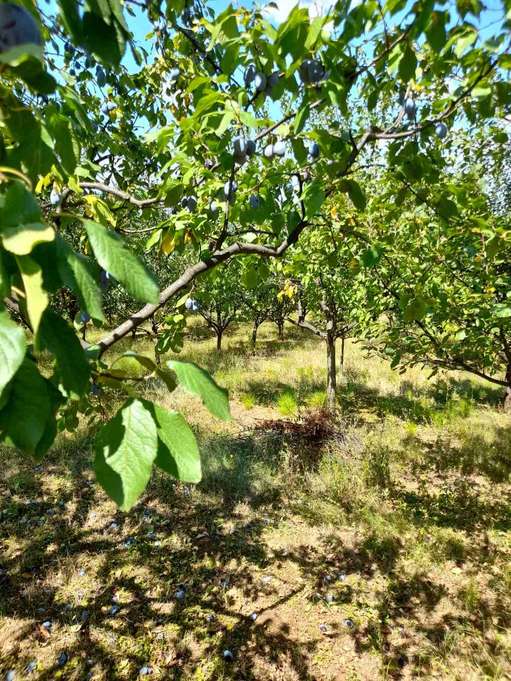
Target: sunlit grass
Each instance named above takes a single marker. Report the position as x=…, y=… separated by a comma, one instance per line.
x=404, y=508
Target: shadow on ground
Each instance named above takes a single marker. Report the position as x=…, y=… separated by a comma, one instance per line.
x=174, y=583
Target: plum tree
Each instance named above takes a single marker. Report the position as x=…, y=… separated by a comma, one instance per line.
x=122, y=178
x=329, y=294
x=439, y=290
x=217, y=298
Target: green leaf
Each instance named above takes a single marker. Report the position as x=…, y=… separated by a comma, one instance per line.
x=168, y=377
x=355, y=192
x=101, y=39
x=446, y=208
x=23, y=419
x=61, y=132
x=37, y=297
x=199, y=382
x=77, y=273
x=5, y=279
x=435, y=31
x=407, y=64
x=125, y=450
x=21, y=226
x=58, y=337
x=132, y=365
x=301, y=118
x=12, y=348
x=415, y=310
x=502, y=311
x=178, y=453
x=314, y=32
x=115, y=257
x=313, y=197
x=371, y=256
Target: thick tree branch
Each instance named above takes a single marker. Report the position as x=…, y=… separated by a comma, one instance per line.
x=306, y=325
x=191, y=273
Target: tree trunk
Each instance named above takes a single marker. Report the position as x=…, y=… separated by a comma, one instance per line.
x=507, y=396
x=254, y=335
x=219, y=333
x=342, y=351
x=280, y=328
x=331, y=376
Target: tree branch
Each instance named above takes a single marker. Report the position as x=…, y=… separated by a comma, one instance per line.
x=306, y=325
x=191, y=273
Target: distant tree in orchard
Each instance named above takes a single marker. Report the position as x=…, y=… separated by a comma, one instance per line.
x=219, y=300
x=440, y=288
x=329, y=292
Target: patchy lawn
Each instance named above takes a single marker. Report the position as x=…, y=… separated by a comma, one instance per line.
x=376, y=547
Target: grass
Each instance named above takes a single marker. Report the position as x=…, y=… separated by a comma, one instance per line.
x=374, y=548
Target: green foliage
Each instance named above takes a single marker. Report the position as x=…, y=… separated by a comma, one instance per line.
x=198, y=382
x=115, y=156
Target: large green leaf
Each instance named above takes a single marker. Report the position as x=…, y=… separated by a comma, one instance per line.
x=77, y=272
x=12, y=349
x=178, y=453
x=23, y=419
x=37, y=297
x=313, y=197
x=21, y=225
x=64, y=142
x=115, y=257
x=408, y=64
x=199, y=382
x=355, y=193
x=57, y=336
x=125, y=451
x=132, y=365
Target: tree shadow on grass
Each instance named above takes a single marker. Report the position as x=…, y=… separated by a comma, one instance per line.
x=210, y=544
x=438, y=402
x=182, y=540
